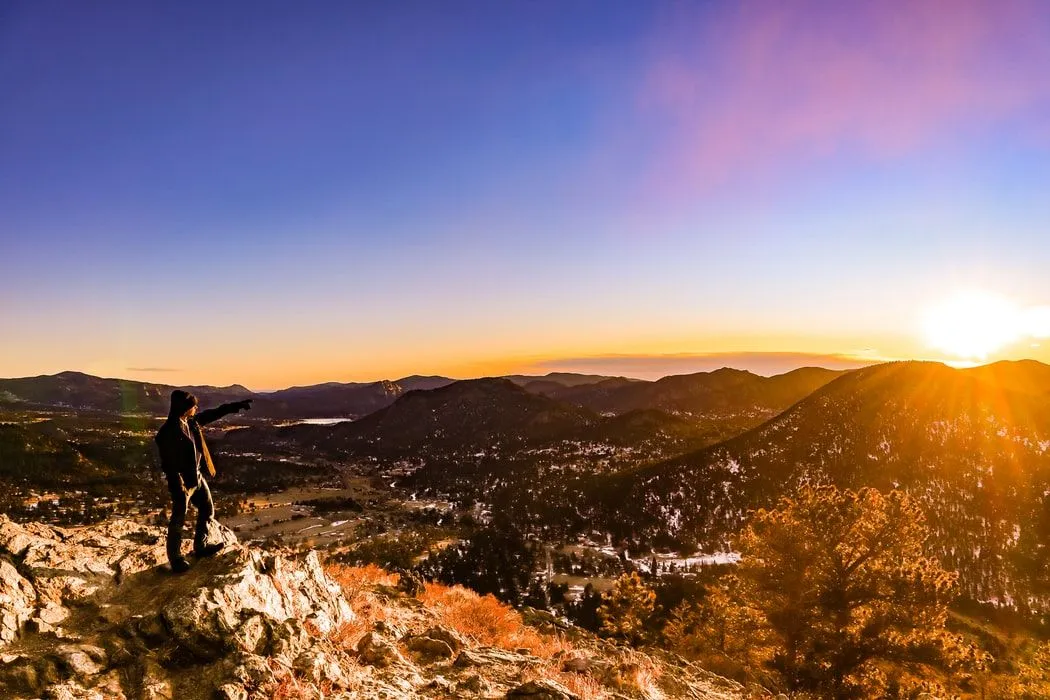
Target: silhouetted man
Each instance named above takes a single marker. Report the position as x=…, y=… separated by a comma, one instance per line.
x=182, y=452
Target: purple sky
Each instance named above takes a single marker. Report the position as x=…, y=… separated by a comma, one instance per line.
x=277, y=194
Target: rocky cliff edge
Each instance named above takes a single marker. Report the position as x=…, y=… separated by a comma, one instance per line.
x=93, y=612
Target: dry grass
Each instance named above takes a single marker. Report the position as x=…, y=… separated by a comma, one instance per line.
x=587, y=687
x=482, y=619
x=356, y=582
x=632, y=673
x=355, y=579
x=487, y=621
x=637, y=673
x=286, y=685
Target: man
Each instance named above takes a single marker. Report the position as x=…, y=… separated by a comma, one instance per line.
x=182, y=451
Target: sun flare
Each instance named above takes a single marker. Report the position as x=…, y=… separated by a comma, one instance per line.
x=973, y=324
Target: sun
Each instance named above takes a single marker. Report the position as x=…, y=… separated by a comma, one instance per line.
x=973, y=324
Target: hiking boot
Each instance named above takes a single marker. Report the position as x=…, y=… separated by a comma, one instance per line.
x=179, y=566
x=208, y=550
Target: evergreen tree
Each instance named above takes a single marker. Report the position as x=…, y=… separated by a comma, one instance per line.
x=833, y=589
x=627, y=608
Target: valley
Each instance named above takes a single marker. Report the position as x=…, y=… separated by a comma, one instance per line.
x=498, y=485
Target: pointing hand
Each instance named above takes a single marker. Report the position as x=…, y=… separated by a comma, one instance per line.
x=245, y=405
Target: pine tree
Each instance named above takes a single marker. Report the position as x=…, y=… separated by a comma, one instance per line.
x=627, y=608
x=833, y=590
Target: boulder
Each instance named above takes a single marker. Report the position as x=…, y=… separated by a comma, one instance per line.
x=454, y=639
x=246, y=601
x=542, y=690
x=436, y=644
x=81, y=661
x=376, y=650
x=16, y=538
x=577, y=664
x=232, y=691
x=488, y=656
x=319, y=667
x=472, y=684
x=18, y=602
x=428, y=650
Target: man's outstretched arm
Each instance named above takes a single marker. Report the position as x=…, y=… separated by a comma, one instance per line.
x=214, y=414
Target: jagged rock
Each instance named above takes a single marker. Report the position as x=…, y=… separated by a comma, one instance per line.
x=64, y=589
x=375, y=650
x=454, y=639
x=262, y=592
x=52, y=614
x=320, y=668
x=155, y=682
x=435, y=644
x=17, y=601
x=428, y=650
x=233, y=625
x=250, y=669
x=16, y=538
x=81, y=660
x=472, y=684
x=72, y=691
x=388, y=629
x=487, y=656
x=441, y=685
x=577, y=664
x=232, y=691
x=542, y=690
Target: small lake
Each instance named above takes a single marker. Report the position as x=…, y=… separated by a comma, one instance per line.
x=320, y=421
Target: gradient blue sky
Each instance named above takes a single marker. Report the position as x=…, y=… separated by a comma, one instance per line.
x=276, y=193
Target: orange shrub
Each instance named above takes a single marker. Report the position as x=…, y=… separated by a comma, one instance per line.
x=486, y=620
x=354, y=579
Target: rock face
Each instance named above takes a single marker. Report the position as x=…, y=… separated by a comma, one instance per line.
x=17, y=601
x=94, y=612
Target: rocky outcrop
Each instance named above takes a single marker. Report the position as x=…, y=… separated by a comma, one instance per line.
x=541, y=690
x=95, y=612
x=80, y=605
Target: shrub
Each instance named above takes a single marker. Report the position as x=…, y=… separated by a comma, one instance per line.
x=486, y=620
x=626, y=609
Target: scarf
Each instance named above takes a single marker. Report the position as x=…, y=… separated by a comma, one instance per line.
x=204, y=450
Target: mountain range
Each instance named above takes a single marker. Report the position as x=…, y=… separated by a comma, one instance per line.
x=731, y=396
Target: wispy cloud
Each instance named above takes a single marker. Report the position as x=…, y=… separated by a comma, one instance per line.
x=656, y=366
x=152, y=369
x=770, y=85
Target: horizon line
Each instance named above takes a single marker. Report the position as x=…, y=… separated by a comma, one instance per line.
x=861, y=363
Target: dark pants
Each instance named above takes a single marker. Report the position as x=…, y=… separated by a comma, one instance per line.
x=200, y=497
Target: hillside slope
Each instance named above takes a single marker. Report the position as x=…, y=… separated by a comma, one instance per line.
x=84, y=391
x=467, y=414
x=91, y=613
x=975, y=454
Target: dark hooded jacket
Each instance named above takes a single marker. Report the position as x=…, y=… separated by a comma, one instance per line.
x=178, y=445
